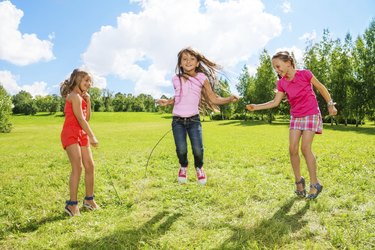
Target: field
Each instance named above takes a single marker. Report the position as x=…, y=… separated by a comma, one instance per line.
x=248, y=202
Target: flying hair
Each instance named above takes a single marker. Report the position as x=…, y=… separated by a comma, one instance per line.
x=207, y=67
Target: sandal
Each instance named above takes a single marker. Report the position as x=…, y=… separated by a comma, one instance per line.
x=301, y=193
x=87, y=205
x=318, y=188
x=70, y=203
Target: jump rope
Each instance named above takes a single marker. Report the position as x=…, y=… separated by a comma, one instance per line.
x=147, y=163
x=103, y=163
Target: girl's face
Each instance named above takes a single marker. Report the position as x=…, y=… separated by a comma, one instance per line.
x=188, y=63
x=85, y=83
x=282, y=68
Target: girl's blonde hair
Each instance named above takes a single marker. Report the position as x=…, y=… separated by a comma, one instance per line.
x=75, y=79
x=207, y=67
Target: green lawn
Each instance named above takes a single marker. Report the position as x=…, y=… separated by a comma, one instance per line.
x=248, y=202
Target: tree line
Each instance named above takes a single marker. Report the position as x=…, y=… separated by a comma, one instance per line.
x=345, y=67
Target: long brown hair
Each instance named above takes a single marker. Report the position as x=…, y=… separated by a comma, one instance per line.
x=207, y=67
x=75, y=79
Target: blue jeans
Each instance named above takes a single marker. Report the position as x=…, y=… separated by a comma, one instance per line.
x=188, y=126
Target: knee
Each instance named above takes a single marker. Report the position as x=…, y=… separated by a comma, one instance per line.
x=198, y=151
x=293, y=151
x=181, y=150
x=89, y=168
x=306, y=150
x=77, y=168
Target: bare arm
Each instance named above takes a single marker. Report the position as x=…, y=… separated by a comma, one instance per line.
x=267, y=105
x=78, y=113
x=165, y=102
x=324, y=92
x=86, y=97
x=215, y=99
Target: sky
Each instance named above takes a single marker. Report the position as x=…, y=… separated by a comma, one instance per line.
x=131, y=46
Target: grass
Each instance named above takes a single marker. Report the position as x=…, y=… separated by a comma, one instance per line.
x=248, y=202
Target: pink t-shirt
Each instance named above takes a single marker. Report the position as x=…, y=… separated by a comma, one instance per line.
x=187, y=94
x=300, y=94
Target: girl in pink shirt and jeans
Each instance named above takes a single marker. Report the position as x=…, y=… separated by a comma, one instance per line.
x=193, y=82
x=306, y=120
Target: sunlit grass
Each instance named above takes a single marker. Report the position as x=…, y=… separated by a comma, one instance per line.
x=248, y=202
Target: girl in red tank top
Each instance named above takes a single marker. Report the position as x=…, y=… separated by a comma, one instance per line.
x=76, y=137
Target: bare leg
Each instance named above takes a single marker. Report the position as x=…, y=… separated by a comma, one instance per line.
x=88, y=163
x=294, y=138
x=75, y=158
x=306, y=148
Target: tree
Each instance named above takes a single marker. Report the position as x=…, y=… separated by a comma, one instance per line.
x=245, y=88
x=265, y=86
x=24, y=104
x=5, y=111
x=96, y=99
x=317, y=59
x=48, y=103
x=222, y=89
x=118, y=102
x=342, y=76
x=107, y=100
x=368, y=76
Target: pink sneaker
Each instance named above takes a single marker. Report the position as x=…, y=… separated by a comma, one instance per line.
x=182, y=175
x=201, y=175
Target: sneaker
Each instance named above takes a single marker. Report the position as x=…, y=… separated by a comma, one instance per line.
x=201, y=175
x=182, y=175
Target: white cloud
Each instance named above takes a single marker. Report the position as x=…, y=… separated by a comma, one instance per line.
x=143, y=46
x=308, y=36
x=9, y=82
x=37, y=88
x=286, y=7
x=18, y=48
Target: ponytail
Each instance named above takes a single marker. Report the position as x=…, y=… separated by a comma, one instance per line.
x=68, y=85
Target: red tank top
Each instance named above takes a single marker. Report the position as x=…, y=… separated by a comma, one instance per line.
x=70, y=118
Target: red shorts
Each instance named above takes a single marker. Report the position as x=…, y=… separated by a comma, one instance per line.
x=310, y=122
x=74, y=135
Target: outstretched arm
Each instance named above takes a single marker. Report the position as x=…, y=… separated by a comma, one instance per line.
x=215, y=99
x=267, y=105
x=324, y=92
x=165, y=102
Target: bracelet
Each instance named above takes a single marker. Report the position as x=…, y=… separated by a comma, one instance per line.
x=331, y=103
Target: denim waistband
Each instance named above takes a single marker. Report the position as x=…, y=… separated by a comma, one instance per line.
x=186, y=118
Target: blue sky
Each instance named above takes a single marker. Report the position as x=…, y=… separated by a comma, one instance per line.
x=131, y=46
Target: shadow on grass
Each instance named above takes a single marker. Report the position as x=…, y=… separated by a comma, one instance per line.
x=133, y=238
x=269, y=233
x=351, y=128
x=31, y=226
